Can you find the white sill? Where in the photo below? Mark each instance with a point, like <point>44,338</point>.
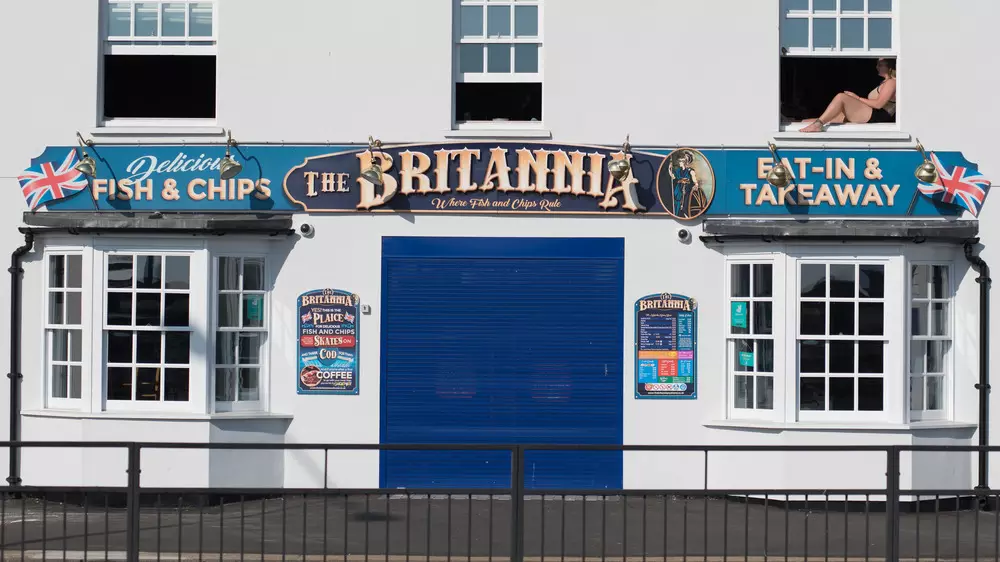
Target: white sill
<point>154,416</point>
<point>813,426</point>
<point>499,129</point>
<point>158,128</point>
<point>844,132</point>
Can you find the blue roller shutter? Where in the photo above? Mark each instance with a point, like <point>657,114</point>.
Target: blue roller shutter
<point>502,341</point>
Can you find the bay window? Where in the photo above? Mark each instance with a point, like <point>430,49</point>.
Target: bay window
<point>930,339</point>
<point>64,327</point>
<point>751,336</point>
<point>240,334</point>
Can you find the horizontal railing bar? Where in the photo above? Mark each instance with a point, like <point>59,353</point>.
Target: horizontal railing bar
<point>703,492</point>
<point>64,489</point>
<point>332,491</point>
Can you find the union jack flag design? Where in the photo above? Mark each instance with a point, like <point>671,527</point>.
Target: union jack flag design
<point>306,318</point>
<point>349,317</point>
<point>45,182</point>
<point>960,186</point>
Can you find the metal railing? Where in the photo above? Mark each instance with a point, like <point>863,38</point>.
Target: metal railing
<point>512,523</point>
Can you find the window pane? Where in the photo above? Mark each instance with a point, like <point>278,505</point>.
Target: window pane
<point>472,21</point>
<point>75,382</point>
<point>119,19</point>
<point>177,348</point>
<point>229,274</point>
<point>740,283</point>
<point>824,5</point>
<point>765,356</point>
<point>120,309</point>
<point>249,383</point>
<point>872,278</point>
<point>74,308</point>
<point>201,19</point>
<point>60,345</point>
<point>871,320</point>
<point>147,309</point>
<point>147,347</point>
<point>253,274</point>
<point>119,272</point>
<point>824,33</point>
<point>250,348</point>
<point>60,381</point>
<point>919,319</point>
<point>762,317</point>
<point>526,21</point>
<point>841,357</point>
<point>743,391</point>
<point>762,280</point>
<point>794,32</point>
<point>147,384</point>
<point>470,57</point>
<point>918,350</point>
<point>841,318</point>
<point>739,320</point>
<point>145,19</point>
<point>936,352</point>
<point>939,319</point>
<point>841,280</point>
<point>871,357</point>
<point>842,393</point>
<point>852,33</point>
<point>920,280</point>
<point>935,393</point>
<point>74,272</point>
<point>794,5</point>
<point>879,33</point>
<point>498,58</point>
<point>813,318</point>
<point>939,282</point>
<point>57,272</point>
<point>526,58</point>
<point>812,393</point>
<point>173,19</point>
<point>175,387</point>
<point>870,394</point>
<point>743,357</point>
<point>498,21</point>
<point>879,5</point>
<point>178,273</point>
<point>119,347</point>
<point>765,393</point>
<point>176,310</point>
<point>812,356</point>
<point>852,5</point>
<point>225,348</point>
<point>916,393</point>
<point>119,383</point>
<point>147,272</point>
<point>253,311</point>
<point>225,385</point>
<point>75,345</point>
<point>57,307</point>
<point>813,280</point>
<point>229,311</point>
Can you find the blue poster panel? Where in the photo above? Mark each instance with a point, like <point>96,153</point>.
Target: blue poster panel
<point>328,342</point>
<point>666,346</point>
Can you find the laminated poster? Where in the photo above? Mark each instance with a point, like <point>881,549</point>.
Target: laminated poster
<point>328,342</point>
<point>666,332</point>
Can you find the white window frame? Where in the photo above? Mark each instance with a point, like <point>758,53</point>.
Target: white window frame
<point>777,263</point>
<point>511,77</point>
<point>948,363</point>
<point>838,15</point>
<point>157,45</point>
<point>263,376</point>
<point>85,333</point>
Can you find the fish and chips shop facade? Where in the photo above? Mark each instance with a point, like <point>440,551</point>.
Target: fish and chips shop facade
<point>499,292</point>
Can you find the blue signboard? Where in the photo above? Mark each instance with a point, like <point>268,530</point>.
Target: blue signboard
<point>666,346</point>
<point>498,178</point>
<point>328,342</point>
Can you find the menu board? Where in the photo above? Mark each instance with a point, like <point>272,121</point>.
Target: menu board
<point>328,342</point>
<point>666,344</point>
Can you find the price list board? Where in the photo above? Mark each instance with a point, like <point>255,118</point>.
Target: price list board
<point>666,328</point>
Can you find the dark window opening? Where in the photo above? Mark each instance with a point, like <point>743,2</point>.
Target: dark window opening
<point>808,85</point>
<point>498,102</point>
<point>159,86</point>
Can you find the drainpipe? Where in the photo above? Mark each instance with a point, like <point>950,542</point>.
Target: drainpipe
<point>14,479</point>
<point>984,377</point>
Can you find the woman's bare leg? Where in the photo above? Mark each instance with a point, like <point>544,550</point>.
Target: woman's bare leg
<point>842,108</point>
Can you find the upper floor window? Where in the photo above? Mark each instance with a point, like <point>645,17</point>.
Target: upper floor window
<point>832,46</point>
<point>168,47</point>
<point>498,61</point>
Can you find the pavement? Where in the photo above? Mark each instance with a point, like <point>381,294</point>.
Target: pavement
<point>477,529</point>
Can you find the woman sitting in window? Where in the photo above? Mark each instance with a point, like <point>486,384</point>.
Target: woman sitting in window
<point>848,107</point>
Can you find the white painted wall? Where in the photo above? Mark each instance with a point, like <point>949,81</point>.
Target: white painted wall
<point>314,70</point>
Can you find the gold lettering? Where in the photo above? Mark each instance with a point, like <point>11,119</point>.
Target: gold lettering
<point>263,191</point>
<point>369,198</point>
<point>124,190</point>
<point>766,194</point>
<point>626,187</point>
<point>573,163</point>
<point>528,163</point>
<point>329,180</point>
<point>310,178</point>
<point>594,176</point>
<point>845,169</point>
<point>244,186</point>
<point>802,163</point>
<point>497,170</point>
<point>890,193</point>
<point>194,194</point>
<point>748,189</point>
<point>852,192</point>
<point>441,171</point>
<point>805,194</point>
<point>785,194</point>
<point>824,195</point>
<point>98,186</point>
<point>413,165</point>
<point>872,196</point>
<point>465,184</point>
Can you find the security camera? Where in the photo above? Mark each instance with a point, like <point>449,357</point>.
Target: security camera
<point>307,230</point>
<point>683,234</point>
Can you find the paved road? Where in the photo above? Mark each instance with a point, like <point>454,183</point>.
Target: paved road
<point>480,528</point>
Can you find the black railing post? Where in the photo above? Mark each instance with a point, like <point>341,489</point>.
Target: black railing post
<point>517,503</point>
<point>892,504</point>
<point>132,504</point>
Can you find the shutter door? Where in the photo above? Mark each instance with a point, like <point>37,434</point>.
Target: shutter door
<point>502,341</point>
